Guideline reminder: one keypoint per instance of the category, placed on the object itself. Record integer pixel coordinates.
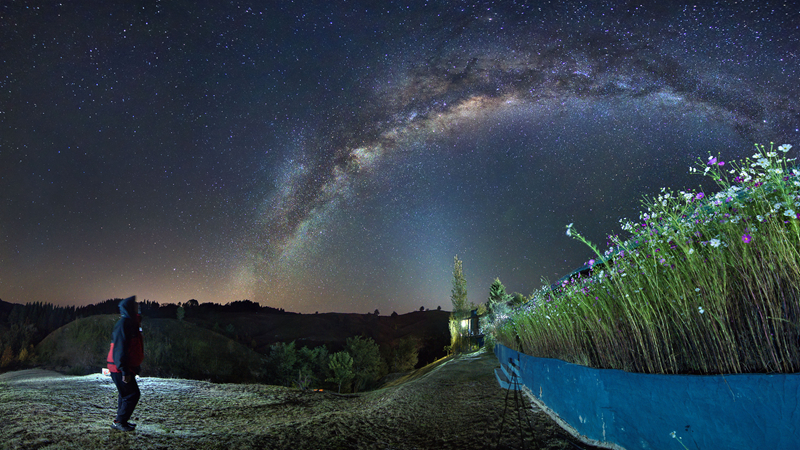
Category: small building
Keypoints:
(471, 329)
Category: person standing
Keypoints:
(124, 358)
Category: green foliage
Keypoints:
(704, 284)
(303, 368)
(461, 309)
(281, 363)
(518, 299)
(458, 294)
(497, 293)
(341, 367)
(312, 367)
(181, 313)
(7, 357)
(406, 355)
(366, 361)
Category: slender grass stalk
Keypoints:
(703, 284)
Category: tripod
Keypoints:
(519, 404)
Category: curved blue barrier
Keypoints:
(641, 411)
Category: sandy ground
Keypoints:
(454, 405)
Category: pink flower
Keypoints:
(699, 196)
(712, 161)
(591, 262)
(746, 238)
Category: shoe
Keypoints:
(131, 424)
(122, 426)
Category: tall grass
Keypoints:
(702, 284)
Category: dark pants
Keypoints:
(128, 397)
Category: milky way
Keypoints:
(323, 158)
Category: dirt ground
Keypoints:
(455, 405)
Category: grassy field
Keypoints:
(453, 404)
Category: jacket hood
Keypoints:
(128, 308)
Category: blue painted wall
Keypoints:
(639, 411)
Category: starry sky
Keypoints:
(334, 156)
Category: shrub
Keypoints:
(341, 366)
(366, 361)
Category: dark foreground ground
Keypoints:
(456, 404)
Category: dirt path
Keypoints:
(455, 405)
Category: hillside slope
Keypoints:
(172, 349)
(429, 328)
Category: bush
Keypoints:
(366, 361)
(341, 367)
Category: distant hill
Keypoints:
(260, 330)
(250, 325)
(172, 349)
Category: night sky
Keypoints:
(336, 155)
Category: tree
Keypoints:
(518, 299)
(458, 295)
(406, 355)
(181, 313)
(497, 294)
(341, 365)
(281, 363)
(7, 358)
(422, 308)
(312, 365)
(376, 312)
(461, 308)
(366, 360)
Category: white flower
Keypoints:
(760, 218)
(715, 242)
(778, 205)
(691, 250)
(697, 289)
(785, 147)
(789, 213)
(772, 154)
(700, 309)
